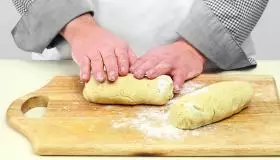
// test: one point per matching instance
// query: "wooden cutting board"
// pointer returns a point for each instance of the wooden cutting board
(72, 126)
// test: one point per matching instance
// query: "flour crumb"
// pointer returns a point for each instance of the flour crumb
(119, 125)
(108, 106)
(76, 103)
(195, 133)
(66, 108)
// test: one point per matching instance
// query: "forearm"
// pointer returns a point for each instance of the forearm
(70, 31)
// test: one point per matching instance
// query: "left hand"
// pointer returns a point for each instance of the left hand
(180, 60)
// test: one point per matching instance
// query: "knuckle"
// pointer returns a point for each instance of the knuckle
(164, 65)
(94, 66)
(96, 59)
(151, 72)
(107, 51)
(108, 58)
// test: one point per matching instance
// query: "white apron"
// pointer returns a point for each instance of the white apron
(144, 24)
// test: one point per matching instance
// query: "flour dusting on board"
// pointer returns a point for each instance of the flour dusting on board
(153, 122)
(191, 86)
(188, 87)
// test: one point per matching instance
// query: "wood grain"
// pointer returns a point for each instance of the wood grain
(73, 126)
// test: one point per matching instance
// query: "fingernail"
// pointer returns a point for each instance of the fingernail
(84, 76)
(150, 73)
(122, 69)
(138, 75)
(81, 81)
(112, 76)
(176, 89)
(99, 77)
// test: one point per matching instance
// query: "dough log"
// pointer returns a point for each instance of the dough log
(130, 91)
(210, 104)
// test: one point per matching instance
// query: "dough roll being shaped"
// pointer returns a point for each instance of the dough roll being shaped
(210, 104)
(130, 91)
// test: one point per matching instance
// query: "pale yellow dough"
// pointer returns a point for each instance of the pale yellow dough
(210, 104)
(130, 91)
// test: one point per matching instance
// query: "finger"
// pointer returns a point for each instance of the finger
(140, 72)
(178, 80)
(84, 64)
(110, 62)
(123, 61)
(137, 63)
(131, 56)
(97, 67)
(160, 69)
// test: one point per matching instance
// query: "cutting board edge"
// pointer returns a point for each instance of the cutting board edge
(141, 150)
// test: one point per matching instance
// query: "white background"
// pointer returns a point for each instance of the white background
(266, 34)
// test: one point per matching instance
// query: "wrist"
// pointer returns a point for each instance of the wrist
(73, 28)
(195, 52)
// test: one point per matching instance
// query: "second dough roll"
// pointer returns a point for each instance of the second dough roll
(130, 91)
(210, 104)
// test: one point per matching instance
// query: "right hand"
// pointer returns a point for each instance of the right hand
(94, 48)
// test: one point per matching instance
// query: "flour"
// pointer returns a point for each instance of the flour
(190, 86)
(76, 103)
(202, 90)
(153, 122)
(187, 88)
(66, 108)
(163, 84)
(108, 106)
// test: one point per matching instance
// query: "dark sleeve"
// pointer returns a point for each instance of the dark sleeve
(219, 27)
(42, 20)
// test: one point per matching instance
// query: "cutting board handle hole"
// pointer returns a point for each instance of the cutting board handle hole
(35, 107)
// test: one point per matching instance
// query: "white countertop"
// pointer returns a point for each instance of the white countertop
(22, 77)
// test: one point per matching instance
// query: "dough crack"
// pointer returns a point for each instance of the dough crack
(214, 114)
(198, 108)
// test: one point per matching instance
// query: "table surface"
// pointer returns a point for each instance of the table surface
(21, 77)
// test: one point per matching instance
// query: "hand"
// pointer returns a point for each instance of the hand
(94, 48)
(179, 60)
